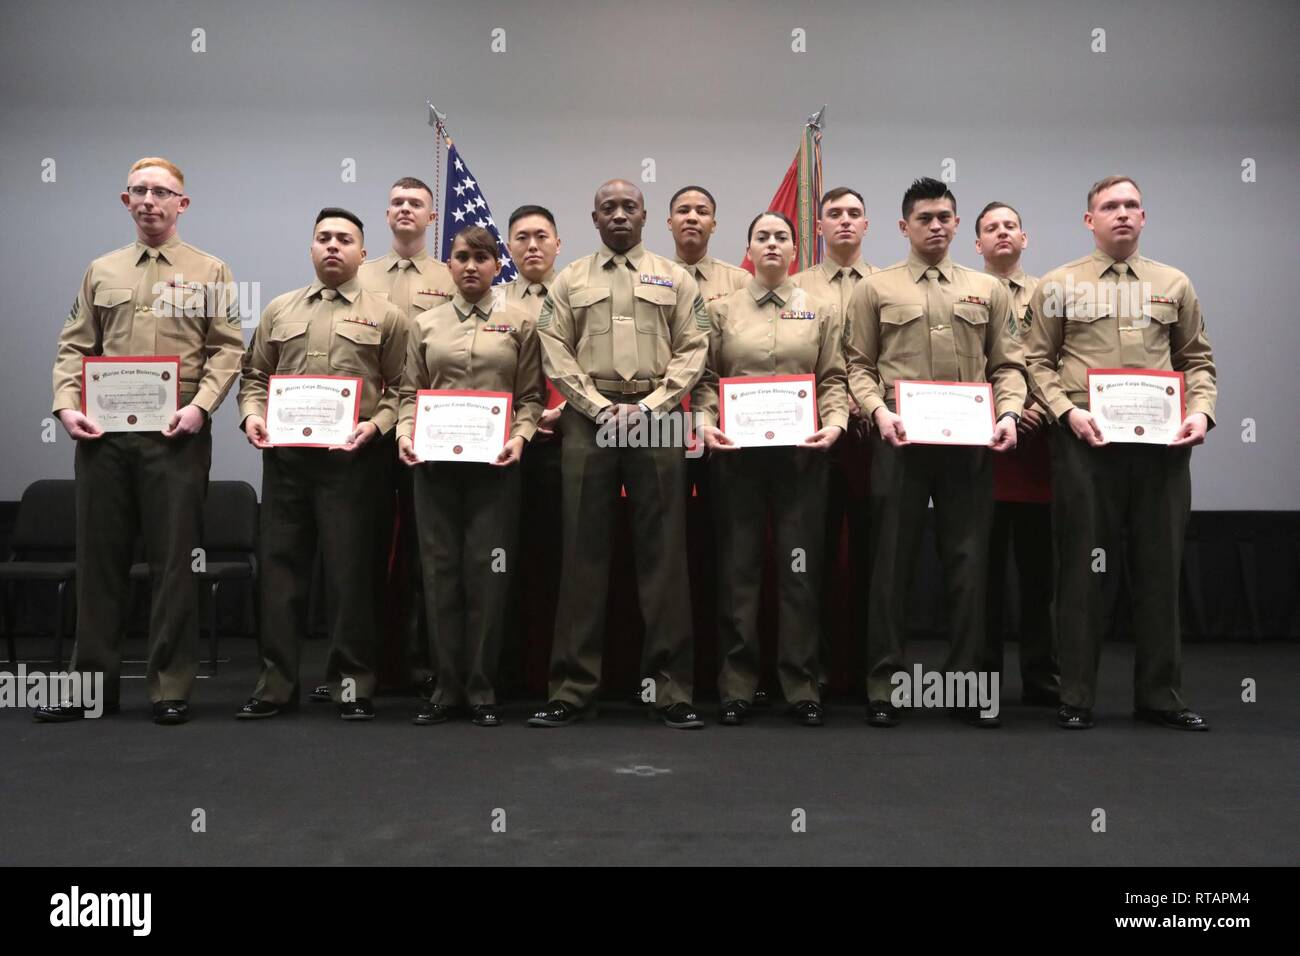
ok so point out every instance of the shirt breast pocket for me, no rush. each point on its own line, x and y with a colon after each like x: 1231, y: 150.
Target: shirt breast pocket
x: 289, y: 342
x: 182, y: 313
x: 114, y: 308
x: 355, y: 348
x: 1088, y: 328
x: 1162, y: 317
x: 591, y: 311
x: 970, y: 326
x: 653, y: 304
x: 901, y: 332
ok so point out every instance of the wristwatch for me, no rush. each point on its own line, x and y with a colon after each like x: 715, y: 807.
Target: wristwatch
x: 1015, y: 419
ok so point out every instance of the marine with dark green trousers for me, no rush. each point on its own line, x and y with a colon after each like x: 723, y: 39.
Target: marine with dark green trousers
x: 157, y: 296
x: 929, y: 319
x: 624, y: 335
x: 1115, y: 309
x: 335, y: 498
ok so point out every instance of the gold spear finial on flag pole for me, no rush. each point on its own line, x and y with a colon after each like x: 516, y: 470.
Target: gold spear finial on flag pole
x: 438, y: 120
x: 815, y: 120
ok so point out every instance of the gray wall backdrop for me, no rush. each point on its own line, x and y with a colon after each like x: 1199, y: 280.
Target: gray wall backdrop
x: 586, y: 90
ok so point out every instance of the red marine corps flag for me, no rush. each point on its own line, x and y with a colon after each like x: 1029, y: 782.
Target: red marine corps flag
x: 798, y: 194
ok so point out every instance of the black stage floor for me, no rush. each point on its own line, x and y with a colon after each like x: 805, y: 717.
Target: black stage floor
x: 308, y: 788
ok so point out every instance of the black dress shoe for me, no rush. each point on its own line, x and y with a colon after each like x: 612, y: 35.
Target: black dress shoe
x: 558, y: 713
x: 320, y: 694
x: 807, y: 712
x: 1174, y: 719
x: 1074, y: 718
x: 256, y: 709
x: 881, y: 713
x: 976, y: 717
x: 1037, y: 697
x: 733, y: 713
x: 431, y: 713
x: 171, y: 712
x: 359, y: 709
x: 762, y: 698
x: 484, y: 715
x: 65, y: 711
x: 680, y: 716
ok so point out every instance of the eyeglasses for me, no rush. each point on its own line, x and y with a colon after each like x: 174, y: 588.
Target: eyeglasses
x: 159, y: 192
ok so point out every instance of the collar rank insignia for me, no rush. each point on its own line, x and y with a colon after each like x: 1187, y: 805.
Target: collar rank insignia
x: 649, y: 278
x: 973, y: 300
x: 1164, y: 300
x: 804, y: 314
x: 358, y: 320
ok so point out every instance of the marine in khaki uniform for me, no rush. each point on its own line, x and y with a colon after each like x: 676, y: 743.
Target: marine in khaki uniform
x: 1022, y: 490
x: 414, y: 281
x: 842, y: 223
x: 1115, y: 308
x: 624, y: 337
x: 771, y: 327
x: 156, y: 296
x: 927, y: 318
x: 331, y: 498
x: 692, y: 220
x: 468, y: 512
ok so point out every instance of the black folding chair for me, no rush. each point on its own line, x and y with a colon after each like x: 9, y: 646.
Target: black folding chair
x: 43, y: 551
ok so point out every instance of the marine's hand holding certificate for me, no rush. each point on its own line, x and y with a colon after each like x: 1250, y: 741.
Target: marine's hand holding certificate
x: 1136, y: 405
x: 763, y: 410
x: 312, y: 411
x: 461, y: 425
x: 130, y: 393
x: 945, y: 413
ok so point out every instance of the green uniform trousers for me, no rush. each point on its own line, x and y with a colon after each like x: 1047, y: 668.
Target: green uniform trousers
x: 1101, y: 496
x: 338, y: 502
x: 790, y: 485
x: 467, y: 514
x: 903, y: 480
x: 129, y: 484
x: 1024, y: 528
x: 412, y: 627
x: 655, y: 479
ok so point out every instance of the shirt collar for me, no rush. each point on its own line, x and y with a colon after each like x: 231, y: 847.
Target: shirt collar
x: 465, y: 310
x: 916, y: 267
x: 699, y: 269
x: 348, y: 291
x: 419, y: 261
x: 1104, y: 262
x: 166, y: 252
x: 781, y: 293
x: 633, y: 255
x: 545, y: 282
x: 1016, y: 278
x: 829, y: 267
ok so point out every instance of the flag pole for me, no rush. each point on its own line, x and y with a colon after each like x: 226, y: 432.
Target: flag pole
x: 438, y: 120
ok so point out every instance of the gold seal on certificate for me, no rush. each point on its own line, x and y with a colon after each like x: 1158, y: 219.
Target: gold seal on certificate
x: 312, y: 411
x: 760, y: 410
x: 945, y: 413
x: 1136, y: 405
x: 130, y: 393
x: 454, y: 424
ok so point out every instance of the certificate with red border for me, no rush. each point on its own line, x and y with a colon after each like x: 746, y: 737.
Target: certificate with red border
x: 312, y: 411
x: 945, y: 413
x: 1136, y: 405
x: 453, y: 424
x: 130, y: 393
x: 757, y: 411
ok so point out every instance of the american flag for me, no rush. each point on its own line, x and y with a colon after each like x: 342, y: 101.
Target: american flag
x: 463, y: 205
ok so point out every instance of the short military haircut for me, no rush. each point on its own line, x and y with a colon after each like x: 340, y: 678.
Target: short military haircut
x: 479, y: 239
x: 1101, y: 185
x: 337, y: 212
x: 693, y: 189
x: 990, y: 207
x: 926, y: 188
x: 410, y: 182
x: 531, y: 210
x: 161, y: 164
x: 839, y: 192
x: 779, y: 215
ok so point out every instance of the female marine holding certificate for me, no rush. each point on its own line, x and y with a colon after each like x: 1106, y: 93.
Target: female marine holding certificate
x: 775, y: 366
x: 469, y: 364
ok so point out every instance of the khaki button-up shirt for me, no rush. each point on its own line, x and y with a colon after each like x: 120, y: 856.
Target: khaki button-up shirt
x: 714, y: 277
x: 782, y: 332
x: 358, y: 333
x: 968, y: 337
x: 425, y: 284
x: 1085, y: 315
x: 488, y: 346
x: 181, y: 302
x: 651, y: 323
x: 832, y: 282
x: 531, y: 295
